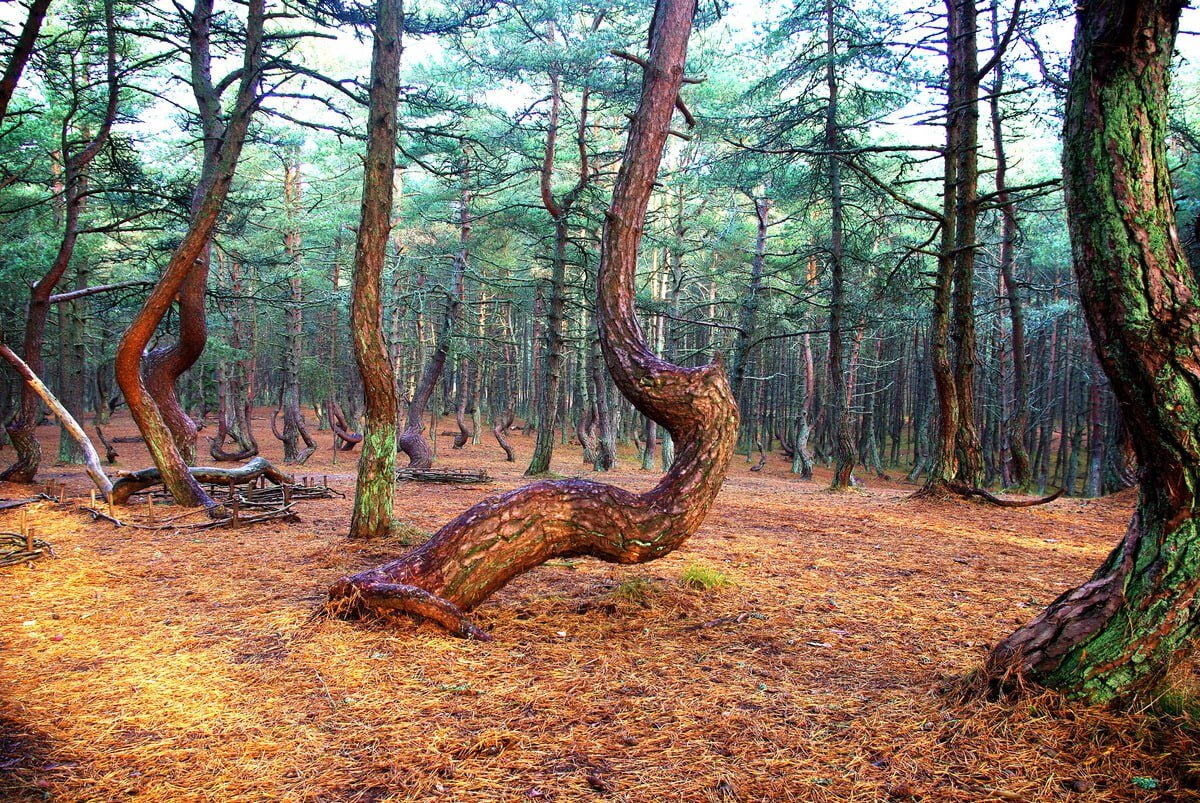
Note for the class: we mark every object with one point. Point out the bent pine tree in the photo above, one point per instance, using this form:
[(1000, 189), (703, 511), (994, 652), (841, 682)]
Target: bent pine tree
[(500, 538)]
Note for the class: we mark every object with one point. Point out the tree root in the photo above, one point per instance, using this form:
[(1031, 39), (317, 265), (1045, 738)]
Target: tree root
[(967, 492), (350, 600)]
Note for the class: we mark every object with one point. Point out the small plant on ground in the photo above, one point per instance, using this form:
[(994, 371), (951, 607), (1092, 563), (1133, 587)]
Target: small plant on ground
[(636, 590), (703, 578)]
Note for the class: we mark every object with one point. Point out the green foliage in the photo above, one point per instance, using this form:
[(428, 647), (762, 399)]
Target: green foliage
[(703, 578)]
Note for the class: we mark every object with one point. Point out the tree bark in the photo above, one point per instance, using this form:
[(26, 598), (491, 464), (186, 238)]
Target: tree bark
[(91, 458), (148, 415), (840, 384), (21, 52), (22, 429), (500, 538), (1119, 632), (376, 484)]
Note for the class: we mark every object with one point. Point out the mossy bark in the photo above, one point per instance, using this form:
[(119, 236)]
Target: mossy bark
[(376, 483), (1119, 632)]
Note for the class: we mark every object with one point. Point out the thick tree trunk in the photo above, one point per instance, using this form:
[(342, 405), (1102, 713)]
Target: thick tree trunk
[(839, 381), (376, 483), (500, 538), (964, 105), (1120, 631)]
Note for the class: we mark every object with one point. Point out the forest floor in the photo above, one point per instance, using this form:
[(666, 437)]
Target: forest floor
[(179, 666)]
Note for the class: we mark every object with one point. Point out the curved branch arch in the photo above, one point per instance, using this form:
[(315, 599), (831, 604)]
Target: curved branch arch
[(486, 546)]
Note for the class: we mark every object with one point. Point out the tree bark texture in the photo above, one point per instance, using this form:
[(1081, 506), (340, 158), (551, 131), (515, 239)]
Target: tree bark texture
[(502, 537), (149, 417), (1120, 631), (376, 484)]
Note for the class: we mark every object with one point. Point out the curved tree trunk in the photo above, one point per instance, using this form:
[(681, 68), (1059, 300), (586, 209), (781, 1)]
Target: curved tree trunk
[(165, 364), (152, 420), (1120, 631), (500, 538), (500, 427), (22, 429), (376, 485), (412, 440)]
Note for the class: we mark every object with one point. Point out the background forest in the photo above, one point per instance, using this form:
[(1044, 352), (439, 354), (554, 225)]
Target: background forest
[(796, 229)]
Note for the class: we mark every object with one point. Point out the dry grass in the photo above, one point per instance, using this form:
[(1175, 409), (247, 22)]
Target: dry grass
[(179, 667)]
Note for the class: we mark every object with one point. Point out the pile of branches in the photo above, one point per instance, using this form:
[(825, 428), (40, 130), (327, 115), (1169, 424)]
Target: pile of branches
[(16, 548), (457, 476)]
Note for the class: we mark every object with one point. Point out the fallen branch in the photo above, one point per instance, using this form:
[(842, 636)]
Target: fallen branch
[(91, 458), (23, 548), (459, 476), (130, 484), (10, 504)]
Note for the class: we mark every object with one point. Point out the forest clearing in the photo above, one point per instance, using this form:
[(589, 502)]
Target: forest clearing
[(558, 400), (174, 666)]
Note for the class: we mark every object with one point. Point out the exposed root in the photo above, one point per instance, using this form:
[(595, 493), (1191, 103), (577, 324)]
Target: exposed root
[(349, 600), (967, 492)]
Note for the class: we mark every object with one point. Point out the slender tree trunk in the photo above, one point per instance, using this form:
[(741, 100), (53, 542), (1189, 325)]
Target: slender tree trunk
[(840, 383), (376, 484), (22, 429)]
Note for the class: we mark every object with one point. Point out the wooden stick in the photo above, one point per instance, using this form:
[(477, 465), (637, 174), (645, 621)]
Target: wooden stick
[(65, 418)]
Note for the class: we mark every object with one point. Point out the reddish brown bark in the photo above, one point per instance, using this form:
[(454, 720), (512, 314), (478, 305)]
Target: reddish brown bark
[(153, 421), (165, 364), (376, 481), (21, 52), (76, 159), (503, 423), (502, 537)]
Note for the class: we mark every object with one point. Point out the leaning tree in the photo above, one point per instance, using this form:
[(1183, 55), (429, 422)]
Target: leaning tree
[(151, 411), (1120, 631), (502, 537)]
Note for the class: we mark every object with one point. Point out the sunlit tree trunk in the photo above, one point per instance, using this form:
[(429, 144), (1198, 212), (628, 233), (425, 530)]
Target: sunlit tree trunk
[(376, 483), (146, 413)]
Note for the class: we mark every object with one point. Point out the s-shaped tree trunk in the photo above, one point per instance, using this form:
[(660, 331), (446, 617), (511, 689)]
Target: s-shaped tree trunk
[(502, 537), (150, 418), (1120, 631)]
